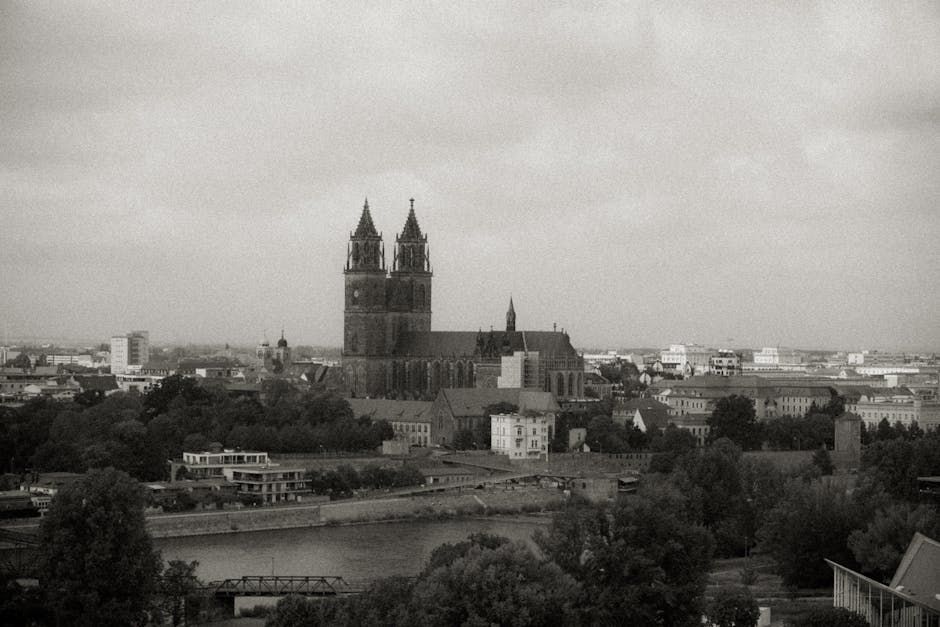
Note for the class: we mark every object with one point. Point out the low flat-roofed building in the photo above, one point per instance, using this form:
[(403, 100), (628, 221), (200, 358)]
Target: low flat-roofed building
[(437, 475), (211, 464)]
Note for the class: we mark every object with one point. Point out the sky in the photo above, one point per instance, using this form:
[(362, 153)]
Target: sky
[(638, 173)]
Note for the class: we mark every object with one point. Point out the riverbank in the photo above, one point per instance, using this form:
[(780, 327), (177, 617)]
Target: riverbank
[(432, 506)]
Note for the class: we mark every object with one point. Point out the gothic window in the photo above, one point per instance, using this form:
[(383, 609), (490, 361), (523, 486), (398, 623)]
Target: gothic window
[(560, 387), (435, 377), (420, 298), (355, 253), (572, 391), (353, 342), (460, 381)]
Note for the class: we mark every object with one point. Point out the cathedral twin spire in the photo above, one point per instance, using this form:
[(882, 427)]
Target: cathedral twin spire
[(411, 253)]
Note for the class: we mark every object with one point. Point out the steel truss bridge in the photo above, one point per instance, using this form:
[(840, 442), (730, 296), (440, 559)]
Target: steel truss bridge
[(280, 585)]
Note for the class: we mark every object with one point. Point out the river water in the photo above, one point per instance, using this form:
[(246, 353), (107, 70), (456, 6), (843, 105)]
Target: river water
[(353, 552)]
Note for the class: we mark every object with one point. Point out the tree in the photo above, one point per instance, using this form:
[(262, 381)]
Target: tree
[(641, 562), (733, 608), (734, 418), (463, 439), (893, 465), (713, 488), (97, 564), (606, 436), (177, 582), (506, 585), (880, 546), (810, 524), (823, 461), (670, 447), (446, 554)]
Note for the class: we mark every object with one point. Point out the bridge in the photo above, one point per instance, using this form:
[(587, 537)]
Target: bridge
[(284, 585), (226, 591)]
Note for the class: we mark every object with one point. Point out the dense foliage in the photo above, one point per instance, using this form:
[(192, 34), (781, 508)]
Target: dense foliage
[(344, 480), (138, 434), (97, 563), (733, 607), (484, 581)]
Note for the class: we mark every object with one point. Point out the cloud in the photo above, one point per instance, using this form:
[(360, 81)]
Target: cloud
[(628, 161)]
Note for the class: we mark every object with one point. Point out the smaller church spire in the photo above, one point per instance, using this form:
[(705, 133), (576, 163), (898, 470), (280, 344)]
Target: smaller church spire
[(511, 317)]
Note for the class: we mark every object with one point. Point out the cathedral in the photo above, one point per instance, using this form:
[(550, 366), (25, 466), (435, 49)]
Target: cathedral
[(390, 351)]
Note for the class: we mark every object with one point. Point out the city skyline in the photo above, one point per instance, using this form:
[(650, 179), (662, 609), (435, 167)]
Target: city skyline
[(639, 175)]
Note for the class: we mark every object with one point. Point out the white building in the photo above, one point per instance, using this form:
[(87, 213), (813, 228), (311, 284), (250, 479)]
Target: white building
[(519, 370), (772, 356), (211, 464), (725, 363), (136, 382), (686, 359), (521, 437), (129, 352), (78, 360)]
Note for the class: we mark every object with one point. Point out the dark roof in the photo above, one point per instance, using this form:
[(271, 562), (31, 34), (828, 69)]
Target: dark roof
[(595, 379), (366, 227), (192, 364), (391, 410), (464, 343), (102, 382), (654, 414), (474, 401)]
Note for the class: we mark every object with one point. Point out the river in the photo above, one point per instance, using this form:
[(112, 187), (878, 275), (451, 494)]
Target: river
[(354, 551)]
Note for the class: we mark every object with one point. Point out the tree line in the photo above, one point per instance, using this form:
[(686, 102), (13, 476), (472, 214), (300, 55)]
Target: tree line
[(139, 433)]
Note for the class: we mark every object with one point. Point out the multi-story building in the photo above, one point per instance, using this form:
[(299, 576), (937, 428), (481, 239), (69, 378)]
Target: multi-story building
[(725, 364), (686, 359), (272, 484), (129, 352), (773, 397), (770, 359), (411, 420), (136, 382), (873, 410), (212, 464), (521, 437), (468, 409), (78, 360)]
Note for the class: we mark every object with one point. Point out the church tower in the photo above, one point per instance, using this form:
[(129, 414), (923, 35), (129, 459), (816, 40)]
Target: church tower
[(409, 293), (511, 317), (364, 324)]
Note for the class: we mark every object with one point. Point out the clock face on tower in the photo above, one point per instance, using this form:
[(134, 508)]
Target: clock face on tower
[(355, 293)]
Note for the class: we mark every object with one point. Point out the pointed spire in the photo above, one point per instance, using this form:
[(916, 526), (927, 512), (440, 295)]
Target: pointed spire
[(366, 227), (411, 231), (511, 317)]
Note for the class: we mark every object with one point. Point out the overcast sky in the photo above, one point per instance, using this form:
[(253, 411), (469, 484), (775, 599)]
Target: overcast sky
[(638, 173)]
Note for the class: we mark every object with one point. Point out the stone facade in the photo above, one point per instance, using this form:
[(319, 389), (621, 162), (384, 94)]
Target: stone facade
[(389, 350)]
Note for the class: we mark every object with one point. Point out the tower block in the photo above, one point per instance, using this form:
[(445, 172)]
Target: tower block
[(409, 291), (364, 323)]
